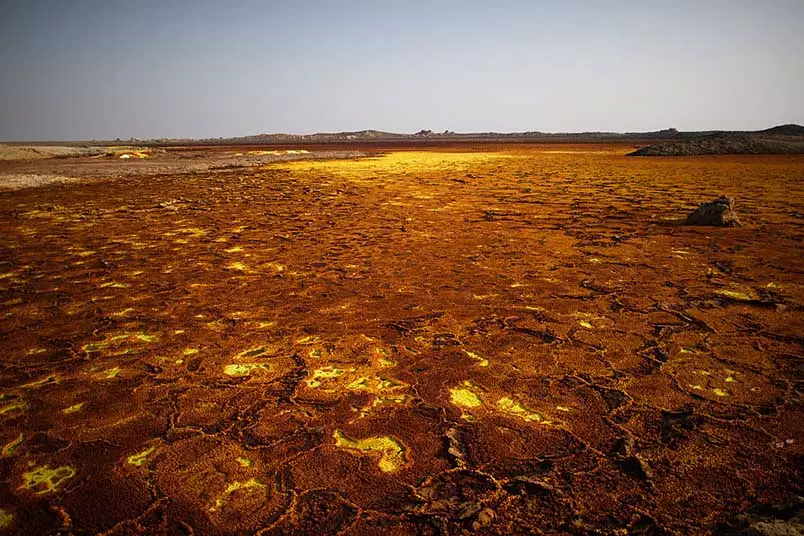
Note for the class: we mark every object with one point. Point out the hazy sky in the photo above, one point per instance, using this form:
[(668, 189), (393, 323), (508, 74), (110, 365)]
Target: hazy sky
[(143, 68)]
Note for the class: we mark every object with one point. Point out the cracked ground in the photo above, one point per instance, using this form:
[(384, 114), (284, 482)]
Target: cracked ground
[(507, 340)]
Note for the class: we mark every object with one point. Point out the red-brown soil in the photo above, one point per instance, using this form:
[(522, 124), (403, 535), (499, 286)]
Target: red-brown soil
[(519, 340)]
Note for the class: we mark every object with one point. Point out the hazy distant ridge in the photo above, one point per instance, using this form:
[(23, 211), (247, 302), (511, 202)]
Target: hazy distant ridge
[(425, 136), (784, 139)]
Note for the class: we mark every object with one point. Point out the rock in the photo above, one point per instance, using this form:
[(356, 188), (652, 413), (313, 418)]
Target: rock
[(776, 527), (719, 212), (623, 455), (456, 495), (484, 519), (785, 519)]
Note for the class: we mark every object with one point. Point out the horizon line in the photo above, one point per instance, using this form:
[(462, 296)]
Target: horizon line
[(421, 133)]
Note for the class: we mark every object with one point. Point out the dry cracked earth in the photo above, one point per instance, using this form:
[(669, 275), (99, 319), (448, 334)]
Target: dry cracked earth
[(506, 340)]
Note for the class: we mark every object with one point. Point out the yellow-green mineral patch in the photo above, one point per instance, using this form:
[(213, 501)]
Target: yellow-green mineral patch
[(237, 267), (390, 399), (481, 362), (737, 294), (38, 383), (18, 405), (144, 337), (136, 337), (387, 363), (194, 231), (384, 400), (464, 397), (244, 462), (244, 369), (94, 347), (113, 284), (388, 384), (359, 384), (128, 337), (73, 409), (11, 447), (44, 480), (384, 357), (250, 484), (5, 519), (251, 353), (275, 266), (324, 373), (512, 407), (141, 457), (108, 374), (391, 450)]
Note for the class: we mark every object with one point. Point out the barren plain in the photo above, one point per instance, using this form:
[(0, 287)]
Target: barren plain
[(473, 340)]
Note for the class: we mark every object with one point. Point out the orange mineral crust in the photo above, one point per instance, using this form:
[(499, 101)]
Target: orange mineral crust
[(473, 340)]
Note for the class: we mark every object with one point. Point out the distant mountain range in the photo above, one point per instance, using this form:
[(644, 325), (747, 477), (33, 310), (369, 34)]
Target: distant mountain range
[(668, 142), (424, 136), (783, 139)]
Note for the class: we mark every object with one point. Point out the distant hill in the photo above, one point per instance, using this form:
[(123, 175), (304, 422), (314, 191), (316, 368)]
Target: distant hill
[(428, 137), (780, 139), (784, 139), (785, 130), (360, 135)]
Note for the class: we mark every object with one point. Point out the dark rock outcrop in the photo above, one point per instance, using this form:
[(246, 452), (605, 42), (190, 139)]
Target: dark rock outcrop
[(719, 213), (785, 139)]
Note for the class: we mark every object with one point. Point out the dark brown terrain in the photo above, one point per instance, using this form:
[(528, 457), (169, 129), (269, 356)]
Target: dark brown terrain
[(485, 339)]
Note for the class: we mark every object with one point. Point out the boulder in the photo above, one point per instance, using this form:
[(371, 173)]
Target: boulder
[(719, 212)]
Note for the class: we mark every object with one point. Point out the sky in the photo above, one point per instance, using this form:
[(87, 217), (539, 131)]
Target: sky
[(106, 69)]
